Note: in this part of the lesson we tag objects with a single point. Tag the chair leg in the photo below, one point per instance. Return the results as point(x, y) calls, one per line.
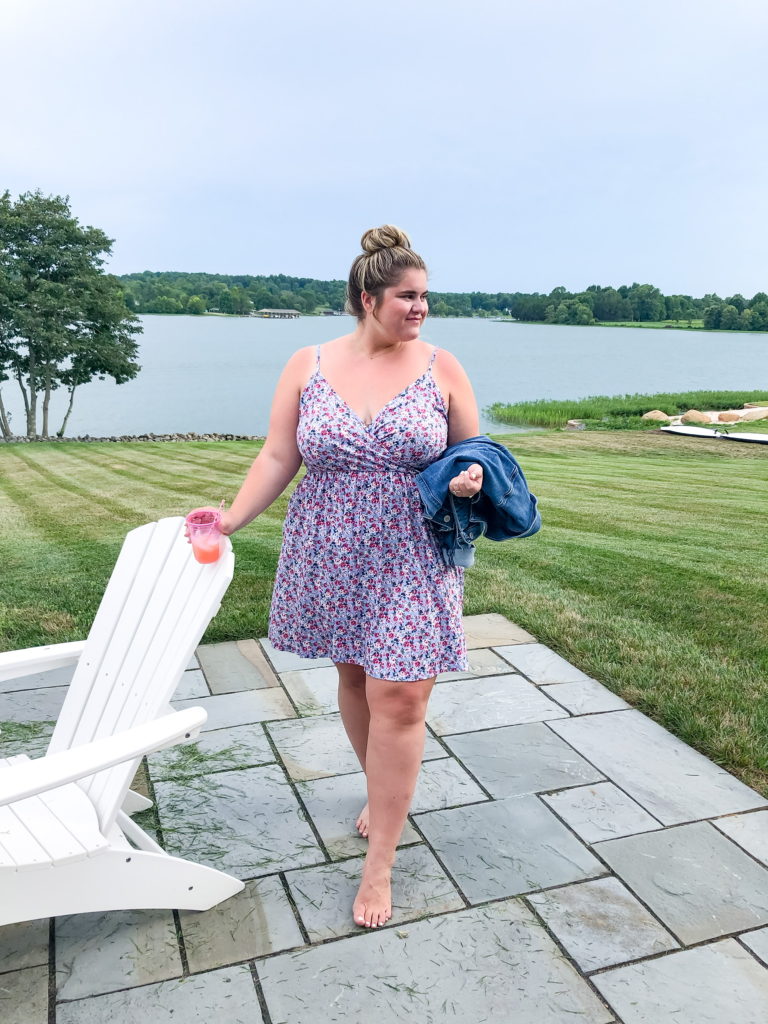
point(123, 879)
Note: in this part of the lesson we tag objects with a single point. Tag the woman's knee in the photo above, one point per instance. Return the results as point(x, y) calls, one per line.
point(402, 703)
point(350, 675)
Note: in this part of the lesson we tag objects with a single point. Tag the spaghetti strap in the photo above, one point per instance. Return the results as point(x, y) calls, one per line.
point(434, 353)
point(317, 361)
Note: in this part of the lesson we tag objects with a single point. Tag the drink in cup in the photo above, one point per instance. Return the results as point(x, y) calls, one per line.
point(205, 534)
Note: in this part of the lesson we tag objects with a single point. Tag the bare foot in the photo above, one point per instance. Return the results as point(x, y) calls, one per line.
point(373, 905)
point(362, 822)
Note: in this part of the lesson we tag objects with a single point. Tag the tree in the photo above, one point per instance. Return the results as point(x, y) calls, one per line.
point(729, 318)
point(63, 320)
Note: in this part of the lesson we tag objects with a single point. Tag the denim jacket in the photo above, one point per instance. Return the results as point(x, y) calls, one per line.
point(504, 508)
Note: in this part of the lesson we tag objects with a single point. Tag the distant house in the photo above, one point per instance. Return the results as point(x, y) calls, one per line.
point(278, 314)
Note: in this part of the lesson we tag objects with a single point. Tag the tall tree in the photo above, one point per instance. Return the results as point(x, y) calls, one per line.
point(63, 320)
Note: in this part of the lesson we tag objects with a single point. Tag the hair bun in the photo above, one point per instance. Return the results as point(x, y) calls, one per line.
point(385, 237)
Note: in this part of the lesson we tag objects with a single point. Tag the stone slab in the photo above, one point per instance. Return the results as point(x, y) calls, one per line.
point(482, 662)
point(98, 953)
point(521, 759)
point(40, 705)
point(242, 746)
point(140, 781)
point(506, 848)
point(540, 664)
point(601, 924)
point(716, 984)
point(24, 996)
point(192, 684)
point(493, 629)
point(471, 704)
point(324, 895)
point(695, 880)
point(757, 942)
point(252, 923)
point(750, 831)
point(664, 775)
point(39, 680)
point(229, 709)
point(313, 748)
point(30, 738)
point(600, 812)
point(193, 662)
point(442, 784)
point(24, 945)
point(333, 804)
point(227, 996)
point(492, 963)
point(314, 691)
point(229, 671)
point(585, 697)
point(251, 649)
point(284, 661)
point(247, 823)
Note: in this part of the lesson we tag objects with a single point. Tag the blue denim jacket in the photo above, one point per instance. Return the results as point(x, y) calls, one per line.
point(504, 508)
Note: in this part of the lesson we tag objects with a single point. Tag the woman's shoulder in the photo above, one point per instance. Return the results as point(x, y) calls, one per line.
point(448, 366)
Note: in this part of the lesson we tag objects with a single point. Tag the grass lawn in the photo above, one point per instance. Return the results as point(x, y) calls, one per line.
point(650, 573)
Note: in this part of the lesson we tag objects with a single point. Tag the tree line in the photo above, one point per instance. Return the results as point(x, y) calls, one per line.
point(171, 292)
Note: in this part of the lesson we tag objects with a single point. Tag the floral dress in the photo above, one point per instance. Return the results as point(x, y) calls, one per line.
point(360, 577)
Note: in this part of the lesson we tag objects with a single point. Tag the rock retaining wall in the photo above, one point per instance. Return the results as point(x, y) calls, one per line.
point(87, 439)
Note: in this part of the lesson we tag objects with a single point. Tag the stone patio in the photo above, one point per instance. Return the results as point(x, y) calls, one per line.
point(566, 860)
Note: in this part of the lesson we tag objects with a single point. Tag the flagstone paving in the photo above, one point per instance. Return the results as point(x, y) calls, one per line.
point(566, 860)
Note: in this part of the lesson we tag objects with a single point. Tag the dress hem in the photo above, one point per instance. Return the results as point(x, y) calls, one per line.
point(321, 652)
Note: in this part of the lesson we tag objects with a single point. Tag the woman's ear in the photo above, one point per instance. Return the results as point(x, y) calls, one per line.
point(368, 301)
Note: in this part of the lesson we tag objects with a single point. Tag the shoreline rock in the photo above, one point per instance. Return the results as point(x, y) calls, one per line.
point(131, 438)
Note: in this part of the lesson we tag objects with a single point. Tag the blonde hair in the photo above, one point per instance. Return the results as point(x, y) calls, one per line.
point(386, 255)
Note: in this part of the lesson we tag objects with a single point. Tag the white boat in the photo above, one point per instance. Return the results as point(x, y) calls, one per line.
point(712, 434)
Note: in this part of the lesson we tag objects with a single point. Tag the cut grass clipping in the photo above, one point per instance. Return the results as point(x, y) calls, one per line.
point(650, 573)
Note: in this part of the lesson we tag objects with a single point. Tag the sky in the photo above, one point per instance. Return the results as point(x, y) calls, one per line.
point(522, 145)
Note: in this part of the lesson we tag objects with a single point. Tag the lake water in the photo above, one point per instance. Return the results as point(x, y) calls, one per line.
point(217, 374)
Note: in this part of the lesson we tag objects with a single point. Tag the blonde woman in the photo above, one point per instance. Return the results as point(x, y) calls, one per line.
point(360, 578)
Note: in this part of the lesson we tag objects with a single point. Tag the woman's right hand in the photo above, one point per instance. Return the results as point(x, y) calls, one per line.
point(208, 508)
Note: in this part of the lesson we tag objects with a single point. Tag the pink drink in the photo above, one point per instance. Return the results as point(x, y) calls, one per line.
point(205, 535)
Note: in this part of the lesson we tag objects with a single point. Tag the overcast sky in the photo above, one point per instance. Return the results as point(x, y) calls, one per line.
point(522, 145)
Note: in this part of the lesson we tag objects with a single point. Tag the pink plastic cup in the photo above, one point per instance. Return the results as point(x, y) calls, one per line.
point(205, 534)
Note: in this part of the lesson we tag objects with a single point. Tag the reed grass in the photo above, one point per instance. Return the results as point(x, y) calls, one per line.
point(557, 412)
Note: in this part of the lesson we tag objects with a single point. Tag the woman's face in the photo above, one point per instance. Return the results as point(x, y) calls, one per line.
point(402, 308)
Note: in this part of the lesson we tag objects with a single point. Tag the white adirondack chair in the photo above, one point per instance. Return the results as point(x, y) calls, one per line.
point(64, 818)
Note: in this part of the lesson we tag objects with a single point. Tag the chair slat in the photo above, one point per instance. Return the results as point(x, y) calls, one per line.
point(178, 630)
point(21, 847)
point(43, 817)
point(120, 634)
point(86, 673)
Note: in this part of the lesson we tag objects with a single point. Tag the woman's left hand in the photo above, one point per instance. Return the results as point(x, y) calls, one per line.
point(467, 483)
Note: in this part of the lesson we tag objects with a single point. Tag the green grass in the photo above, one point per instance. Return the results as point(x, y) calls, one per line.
point(556, 412)
point(650, 573)
point(678, 325)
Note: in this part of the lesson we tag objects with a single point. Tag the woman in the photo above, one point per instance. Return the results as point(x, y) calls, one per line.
point(360, 577)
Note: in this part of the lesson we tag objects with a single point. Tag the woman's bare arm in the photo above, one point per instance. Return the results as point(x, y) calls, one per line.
point(278, 461)
point(463, 421)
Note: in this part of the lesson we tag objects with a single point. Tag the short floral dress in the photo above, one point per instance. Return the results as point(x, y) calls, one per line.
point(360, 577)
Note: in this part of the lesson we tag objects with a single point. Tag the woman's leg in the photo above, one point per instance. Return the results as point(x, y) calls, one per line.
point(356, 716)
point(393, 758)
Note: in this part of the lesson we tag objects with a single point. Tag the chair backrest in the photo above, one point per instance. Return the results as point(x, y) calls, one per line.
point(154, 611)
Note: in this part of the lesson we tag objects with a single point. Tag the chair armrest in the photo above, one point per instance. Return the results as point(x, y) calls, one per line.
point(30, 778)
point(39, 659)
